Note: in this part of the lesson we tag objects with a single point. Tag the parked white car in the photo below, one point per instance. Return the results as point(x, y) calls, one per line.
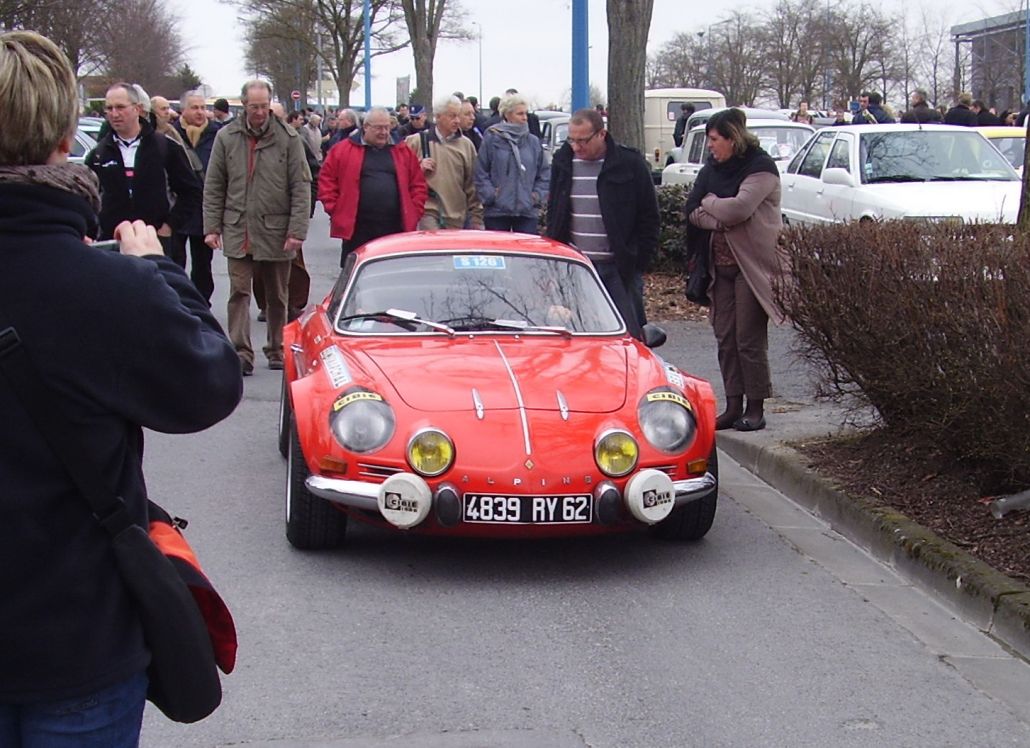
point(868, 172)
point(779, 138)
point(554, 128)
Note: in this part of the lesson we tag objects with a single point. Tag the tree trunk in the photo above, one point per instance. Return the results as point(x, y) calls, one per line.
point(628, 25)
point(423, 20)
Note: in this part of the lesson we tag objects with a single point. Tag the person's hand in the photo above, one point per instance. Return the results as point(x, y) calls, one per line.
point(165, 230)
point(137, 239)
point(428, 165)
point(292, 245)
point(213, 240)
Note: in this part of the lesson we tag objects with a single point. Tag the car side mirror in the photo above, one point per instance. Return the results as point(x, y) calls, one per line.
point(654, 336)
point(835, 175)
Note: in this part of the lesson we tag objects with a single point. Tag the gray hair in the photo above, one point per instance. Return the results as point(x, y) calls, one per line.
point(255, 83)
point(349, 114)
point(444, 103)
point(511, 102)
point(144, 97)
point(192, 93)
point(130, 90)
point(376, 110)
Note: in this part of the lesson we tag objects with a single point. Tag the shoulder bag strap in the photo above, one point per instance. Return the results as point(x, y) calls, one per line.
point(23, 376)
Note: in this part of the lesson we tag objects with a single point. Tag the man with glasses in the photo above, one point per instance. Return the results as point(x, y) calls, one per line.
point(371, 187)
point(138, 168)
point(602, 201)
point(257, 197)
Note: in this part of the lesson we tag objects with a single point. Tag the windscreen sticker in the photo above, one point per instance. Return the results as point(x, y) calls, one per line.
point(672, 397)
point(335, 367)
point(478, 262)
point(343, 402)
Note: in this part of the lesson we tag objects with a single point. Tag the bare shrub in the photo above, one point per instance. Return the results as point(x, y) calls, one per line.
point(930, 324)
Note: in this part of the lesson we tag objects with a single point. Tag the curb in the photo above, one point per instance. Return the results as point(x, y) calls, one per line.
point(995, 603)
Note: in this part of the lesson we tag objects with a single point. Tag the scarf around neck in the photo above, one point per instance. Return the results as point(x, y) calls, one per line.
point(67, 177)
point(513, 133)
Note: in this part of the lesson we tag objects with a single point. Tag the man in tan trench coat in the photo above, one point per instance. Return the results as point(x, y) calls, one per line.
point(256, 203)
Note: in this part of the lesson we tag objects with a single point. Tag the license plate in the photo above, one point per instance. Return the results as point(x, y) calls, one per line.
point(575, 509)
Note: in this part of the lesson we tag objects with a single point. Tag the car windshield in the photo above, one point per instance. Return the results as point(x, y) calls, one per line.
point(781, 142)
point(476, 292)
point(930, 155)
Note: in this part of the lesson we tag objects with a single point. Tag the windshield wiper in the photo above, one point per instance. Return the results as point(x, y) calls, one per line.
point(895, 178)
point(486, 323)
point(400, 317)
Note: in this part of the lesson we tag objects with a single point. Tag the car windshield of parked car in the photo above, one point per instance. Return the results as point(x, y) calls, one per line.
point(476, 292)
point(781, 142)
point(930, 155)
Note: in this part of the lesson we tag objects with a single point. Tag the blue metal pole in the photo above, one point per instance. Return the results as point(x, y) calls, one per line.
point(580, 56)
point(368, 54)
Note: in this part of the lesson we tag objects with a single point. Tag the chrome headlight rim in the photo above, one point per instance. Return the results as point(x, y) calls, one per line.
point(599, 442)
point(649, 413)
point(358, 403)
point(421, 433)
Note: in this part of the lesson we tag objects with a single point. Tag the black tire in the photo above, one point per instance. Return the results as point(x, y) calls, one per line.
point(693, 521)
point(285, 414)
point(311, 523)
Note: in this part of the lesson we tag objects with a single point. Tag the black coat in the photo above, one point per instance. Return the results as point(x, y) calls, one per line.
point(161, 165)
point(921, 113)
point(629, 205)
point(194, 224)
point(960, 115)
point(121, 344)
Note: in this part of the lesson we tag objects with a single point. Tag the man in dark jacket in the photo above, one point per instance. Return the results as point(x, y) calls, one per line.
point(984, 116)
point(961, 114)
point(198, 136)
point(137, 168)
point(119, 342)
point(686, 109)
point(920, 111)
point(871, 111)
point(614, 220)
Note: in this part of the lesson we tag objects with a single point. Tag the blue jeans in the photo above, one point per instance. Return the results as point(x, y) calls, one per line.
point(518, 224)
point(109, 718)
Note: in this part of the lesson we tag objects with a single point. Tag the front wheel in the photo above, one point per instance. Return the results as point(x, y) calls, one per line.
point(284, 419)
point(311, 523)
point(693, 521)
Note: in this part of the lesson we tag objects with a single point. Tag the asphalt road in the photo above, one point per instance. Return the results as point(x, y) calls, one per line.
point(743, 639)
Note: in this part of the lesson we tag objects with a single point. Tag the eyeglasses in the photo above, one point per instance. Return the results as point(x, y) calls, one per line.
point(377, 127)
point(257, 107)
point(582, 141)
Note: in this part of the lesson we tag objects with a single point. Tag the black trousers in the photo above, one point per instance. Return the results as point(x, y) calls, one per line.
point(200, 260)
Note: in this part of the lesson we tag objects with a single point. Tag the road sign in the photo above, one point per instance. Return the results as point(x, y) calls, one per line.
point(295, 95)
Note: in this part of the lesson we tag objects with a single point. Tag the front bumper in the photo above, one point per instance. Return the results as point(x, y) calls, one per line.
point(380, 497)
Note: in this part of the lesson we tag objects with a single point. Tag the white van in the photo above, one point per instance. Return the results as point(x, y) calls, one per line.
point(661, 108)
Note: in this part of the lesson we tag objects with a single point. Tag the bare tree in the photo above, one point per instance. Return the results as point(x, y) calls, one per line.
point(857, 37)
point(793, 49)
point(145, 46)
point(937, 61)
point(737, 62)
point(628, 23)
point(428, 21)
point(680, 62)
point(273, 52)
point(340, 37)
point(79, 28)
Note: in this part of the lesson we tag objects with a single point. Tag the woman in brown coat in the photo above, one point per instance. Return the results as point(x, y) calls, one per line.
point(734, 221)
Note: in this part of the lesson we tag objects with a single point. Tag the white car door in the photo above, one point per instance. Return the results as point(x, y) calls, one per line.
point(837, 201)
point(693, 157)
point(802, 199)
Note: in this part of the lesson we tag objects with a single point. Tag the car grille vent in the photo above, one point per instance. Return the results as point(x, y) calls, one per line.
point(669, 470)
point(376, 472)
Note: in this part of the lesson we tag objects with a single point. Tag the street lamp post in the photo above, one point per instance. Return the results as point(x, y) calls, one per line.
point(480, 35)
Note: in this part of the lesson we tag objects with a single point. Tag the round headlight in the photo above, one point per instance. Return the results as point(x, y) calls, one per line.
point(430, 452)
point(361, 421)
point(666, 421)
point(616, 453)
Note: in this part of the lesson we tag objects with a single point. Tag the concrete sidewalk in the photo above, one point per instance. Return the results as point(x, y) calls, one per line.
point(993, 602)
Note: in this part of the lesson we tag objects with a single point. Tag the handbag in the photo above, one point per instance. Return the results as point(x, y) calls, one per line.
point(697, 279)
point(186, 625)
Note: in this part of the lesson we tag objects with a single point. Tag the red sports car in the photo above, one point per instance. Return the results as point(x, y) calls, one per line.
point(483, 384)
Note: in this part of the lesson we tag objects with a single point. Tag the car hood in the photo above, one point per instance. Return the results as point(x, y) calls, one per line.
point(442, 376)
point(973, 200)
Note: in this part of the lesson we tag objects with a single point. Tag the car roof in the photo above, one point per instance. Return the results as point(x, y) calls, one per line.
point(425, 242)
point(550, 114)
point(749, 112)
point(1001, 131)
point(896, 127)
point(756, 123)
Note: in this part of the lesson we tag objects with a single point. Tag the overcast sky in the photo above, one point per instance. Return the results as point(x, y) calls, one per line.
point(526, 44)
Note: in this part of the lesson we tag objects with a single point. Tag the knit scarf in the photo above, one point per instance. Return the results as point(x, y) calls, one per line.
point(512, 133)
point(193, 133)
point(73, 178)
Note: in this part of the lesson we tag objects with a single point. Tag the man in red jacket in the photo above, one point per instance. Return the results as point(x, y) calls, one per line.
point(370, 187)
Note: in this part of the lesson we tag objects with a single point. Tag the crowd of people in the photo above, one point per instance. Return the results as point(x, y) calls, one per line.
point(870, 109)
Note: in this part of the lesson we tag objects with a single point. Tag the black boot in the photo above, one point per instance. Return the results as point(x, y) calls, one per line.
point(754, 417)
point(734, 407)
